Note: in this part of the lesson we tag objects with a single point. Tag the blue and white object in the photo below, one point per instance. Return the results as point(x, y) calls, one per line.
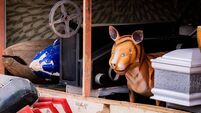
point(46, 63)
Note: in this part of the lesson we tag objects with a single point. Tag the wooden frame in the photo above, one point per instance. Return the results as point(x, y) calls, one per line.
point(80, 104)
point(86, 90)
point(87, 21)
point(2, 33)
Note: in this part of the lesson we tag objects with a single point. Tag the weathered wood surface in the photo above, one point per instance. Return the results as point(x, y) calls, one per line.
point(2, 33)
point(87, 20)
point(80, 104)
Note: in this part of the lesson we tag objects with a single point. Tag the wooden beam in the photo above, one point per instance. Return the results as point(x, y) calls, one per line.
point(95, 105)
point(2, 33)
point(199, 36)
point(87, 20)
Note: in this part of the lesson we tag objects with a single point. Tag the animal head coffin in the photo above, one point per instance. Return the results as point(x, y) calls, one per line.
point(126, 50)
point(128, 58)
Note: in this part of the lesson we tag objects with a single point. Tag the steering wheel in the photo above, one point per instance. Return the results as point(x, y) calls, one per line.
point(71, 21)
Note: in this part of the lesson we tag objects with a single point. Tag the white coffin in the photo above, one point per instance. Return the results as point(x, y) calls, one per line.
point(178, 77)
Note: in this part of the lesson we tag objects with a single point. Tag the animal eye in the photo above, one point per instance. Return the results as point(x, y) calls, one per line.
point(123, 54)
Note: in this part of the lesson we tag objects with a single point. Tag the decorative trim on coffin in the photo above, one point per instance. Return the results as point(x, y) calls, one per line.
point(176, 97)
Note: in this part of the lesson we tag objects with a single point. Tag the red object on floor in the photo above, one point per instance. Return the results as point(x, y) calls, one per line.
point(36, 110)
point(46, 105)
point(25, 109)
point(61, 101)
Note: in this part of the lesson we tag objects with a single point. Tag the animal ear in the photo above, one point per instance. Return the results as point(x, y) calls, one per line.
point(138, 36)
point(113, 33)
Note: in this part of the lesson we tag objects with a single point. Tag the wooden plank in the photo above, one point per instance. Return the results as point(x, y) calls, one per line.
point(87, 13)
point(199, 36)
point(80, 104)
point(2, 33)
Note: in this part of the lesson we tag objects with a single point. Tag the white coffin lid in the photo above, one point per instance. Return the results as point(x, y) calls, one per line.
point(180, 60)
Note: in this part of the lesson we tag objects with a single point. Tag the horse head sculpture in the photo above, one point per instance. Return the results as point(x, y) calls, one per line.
point(128, 58)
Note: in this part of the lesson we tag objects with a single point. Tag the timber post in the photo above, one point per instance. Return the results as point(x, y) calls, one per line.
point(87, 21)
point(2, 33)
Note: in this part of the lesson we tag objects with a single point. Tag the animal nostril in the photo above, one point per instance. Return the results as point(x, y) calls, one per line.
point(113, 65)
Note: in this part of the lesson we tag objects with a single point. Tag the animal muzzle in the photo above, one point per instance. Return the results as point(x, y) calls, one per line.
point(113, 65)
point(118, 68)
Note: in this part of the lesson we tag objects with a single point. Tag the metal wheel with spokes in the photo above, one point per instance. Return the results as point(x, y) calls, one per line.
point(71, 21)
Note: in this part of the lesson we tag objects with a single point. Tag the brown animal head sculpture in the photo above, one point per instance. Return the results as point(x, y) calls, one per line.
point(126, 51)
point(128, 58)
